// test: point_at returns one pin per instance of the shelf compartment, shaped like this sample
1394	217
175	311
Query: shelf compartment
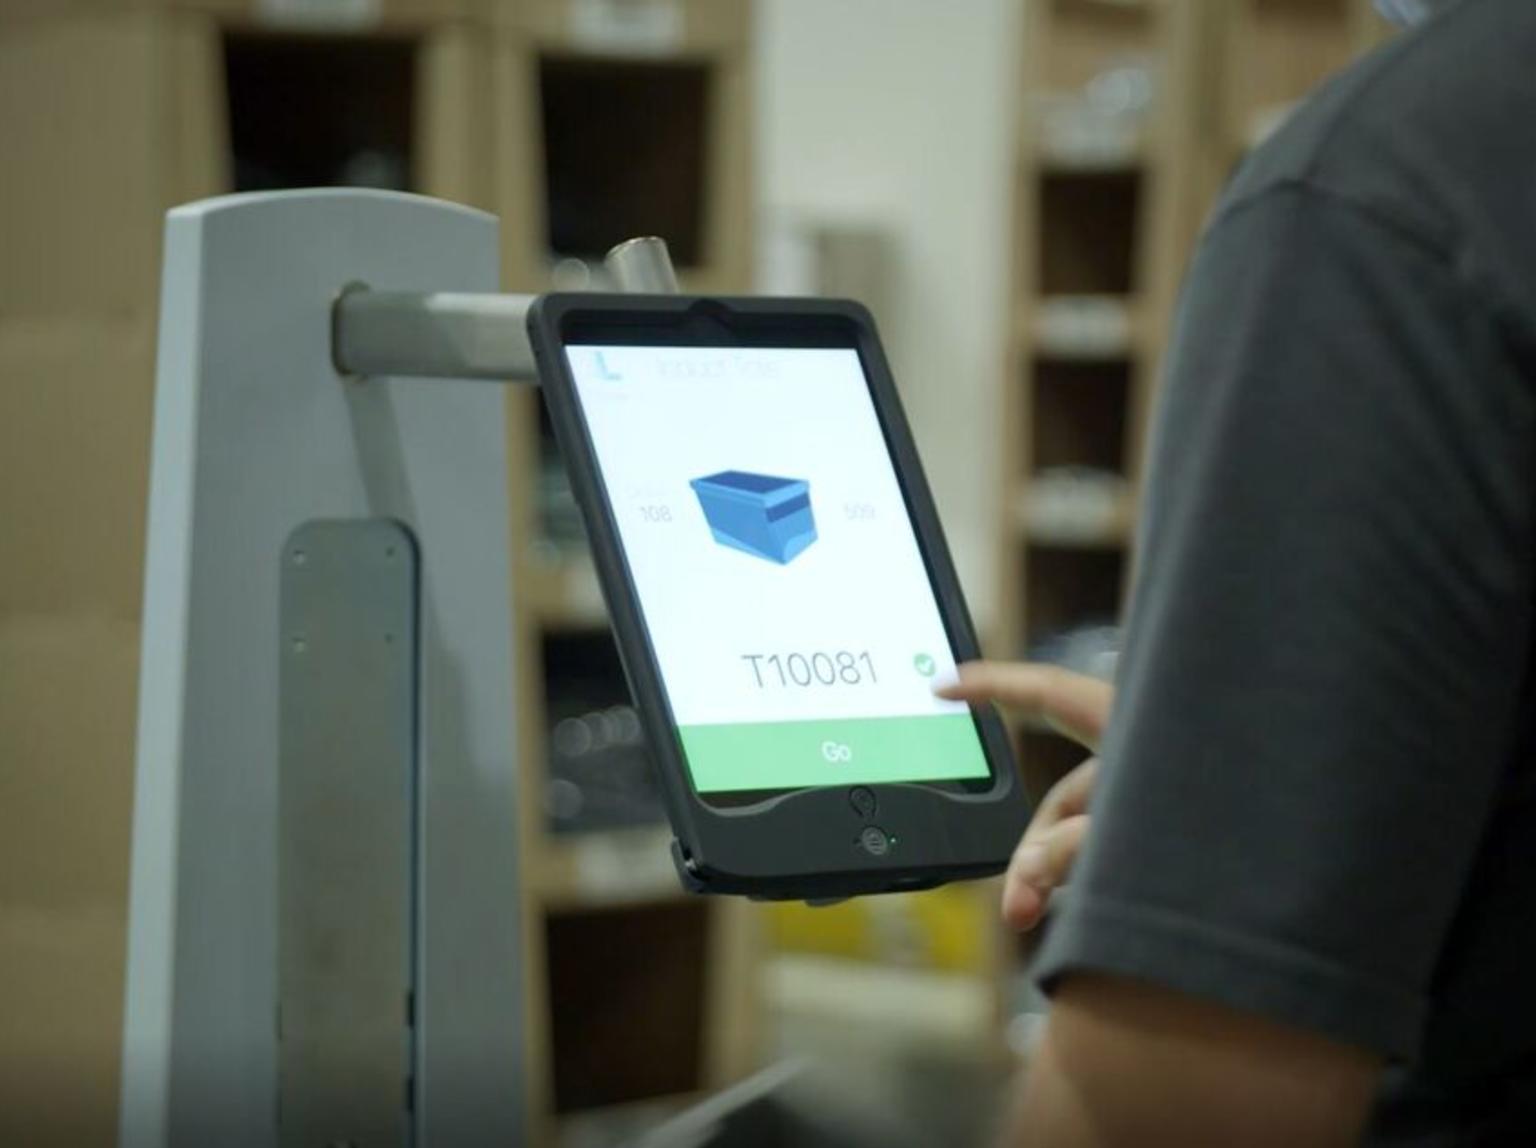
625	153
321	110
1068	588
615	976
1088	230
1079	415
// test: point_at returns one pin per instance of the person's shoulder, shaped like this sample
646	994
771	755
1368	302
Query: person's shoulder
1415	131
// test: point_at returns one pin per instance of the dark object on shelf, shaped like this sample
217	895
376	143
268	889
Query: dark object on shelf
600	773
320	111
625	147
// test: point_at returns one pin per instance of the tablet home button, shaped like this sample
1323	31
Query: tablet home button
863	801
875	842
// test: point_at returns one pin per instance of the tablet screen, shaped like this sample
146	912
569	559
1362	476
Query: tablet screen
776	566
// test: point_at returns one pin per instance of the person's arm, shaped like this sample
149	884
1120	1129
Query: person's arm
1124	1063
1327	652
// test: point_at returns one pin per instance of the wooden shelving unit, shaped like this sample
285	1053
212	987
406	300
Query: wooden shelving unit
640	124
115	113
1101	220
579	123
1107	210
617	119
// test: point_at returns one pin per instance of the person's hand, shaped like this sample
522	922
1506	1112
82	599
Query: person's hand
1076	706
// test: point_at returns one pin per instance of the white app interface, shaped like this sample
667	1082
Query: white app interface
777	569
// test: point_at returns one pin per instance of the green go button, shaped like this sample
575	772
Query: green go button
850	751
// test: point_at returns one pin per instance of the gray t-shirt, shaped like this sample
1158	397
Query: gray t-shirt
1318	800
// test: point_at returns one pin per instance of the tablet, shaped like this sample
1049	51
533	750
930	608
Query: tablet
780	592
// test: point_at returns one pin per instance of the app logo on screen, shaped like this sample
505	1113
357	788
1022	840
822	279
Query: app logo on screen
760	514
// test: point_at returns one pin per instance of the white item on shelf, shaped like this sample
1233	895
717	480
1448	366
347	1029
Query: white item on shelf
1076	506
1084	327
1104	125
628	27
321	15
1074	135
625	864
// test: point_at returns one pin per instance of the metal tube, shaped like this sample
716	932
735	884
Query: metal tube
447	335
437	334
643	267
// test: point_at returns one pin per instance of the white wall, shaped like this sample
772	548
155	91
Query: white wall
901	114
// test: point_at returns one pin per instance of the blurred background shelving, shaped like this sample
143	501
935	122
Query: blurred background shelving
1096	247
580	124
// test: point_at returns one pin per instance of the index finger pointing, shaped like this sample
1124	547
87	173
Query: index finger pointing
1075	704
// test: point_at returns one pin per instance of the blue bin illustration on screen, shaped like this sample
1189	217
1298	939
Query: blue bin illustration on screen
765	516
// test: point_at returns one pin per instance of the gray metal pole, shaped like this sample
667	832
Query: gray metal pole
449	335
437	334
